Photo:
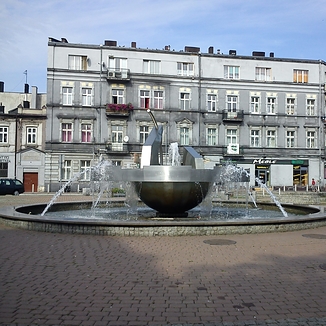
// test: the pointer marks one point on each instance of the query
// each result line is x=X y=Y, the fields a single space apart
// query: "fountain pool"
x=178 y=198
x=117 y=222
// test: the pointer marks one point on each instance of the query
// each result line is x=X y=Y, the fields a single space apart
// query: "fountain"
x=178 y=198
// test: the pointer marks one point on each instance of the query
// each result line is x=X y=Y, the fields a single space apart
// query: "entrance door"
x=262 y=175
x=30 y=181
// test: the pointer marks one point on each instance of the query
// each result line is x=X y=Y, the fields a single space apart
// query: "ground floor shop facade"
x=290 y=173
x=295 y=173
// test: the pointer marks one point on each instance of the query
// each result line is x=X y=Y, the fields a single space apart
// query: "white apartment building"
x=22 y=136
x=265 y=114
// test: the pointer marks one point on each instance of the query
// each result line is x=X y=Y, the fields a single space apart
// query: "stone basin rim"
x=13 y=214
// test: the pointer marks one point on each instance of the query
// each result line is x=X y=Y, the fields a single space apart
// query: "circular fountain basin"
x=26 y=217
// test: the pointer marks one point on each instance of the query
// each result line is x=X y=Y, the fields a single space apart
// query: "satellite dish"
x=126 y=139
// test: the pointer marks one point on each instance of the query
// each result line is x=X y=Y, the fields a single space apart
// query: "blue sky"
x=290 y=29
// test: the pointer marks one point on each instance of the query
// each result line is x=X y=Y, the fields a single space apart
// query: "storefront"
x=273 y=172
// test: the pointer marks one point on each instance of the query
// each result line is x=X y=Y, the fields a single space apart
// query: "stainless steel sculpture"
x=170 y=190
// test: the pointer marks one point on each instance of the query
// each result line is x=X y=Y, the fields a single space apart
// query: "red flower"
x=120 y=107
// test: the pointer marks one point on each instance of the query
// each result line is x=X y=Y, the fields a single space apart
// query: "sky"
x=289 y=28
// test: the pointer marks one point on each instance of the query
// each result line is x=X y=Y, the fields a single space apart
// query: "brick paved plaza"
x=65 y=279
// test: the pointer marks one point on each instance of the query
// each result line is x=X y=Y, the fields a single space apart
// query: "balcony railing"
x=233 y=116
x=118 y=74
x=117 y=148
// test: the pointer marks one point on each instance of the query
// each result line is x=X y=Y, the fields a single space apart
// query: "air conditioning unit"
x=233 y=149
x=111 y=74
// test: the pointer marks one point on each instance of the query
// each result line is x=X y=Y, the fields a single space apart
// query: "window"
x=151 y=98
x=77 y=62
x=255 y=138
x=117 y=138
x=263 y=74
x=231 y=72
x=231 y=136
x=311 y=106
x=232 y=105
x=184 y=132
x=184 y=101
x=290 y=105
x=145 y=99
x=300 y=76
x=290 y=139
x=271 y=105
x=117 y=64
x=3 y=169
x=87 y=95
x=184 y=136
x=143 y=133
x=3 y=134
x=211 y=102
x=86 y=133
x=254 y=104
x=66 y=132
x=211 y=136
x=31 y=134
x=85 y=169
x=311 y=139
x=67 y=95
x=271 y=138
x=158 y=99
x=151 y=66
x=66 y=170
x=118 y=96
x=185 y=69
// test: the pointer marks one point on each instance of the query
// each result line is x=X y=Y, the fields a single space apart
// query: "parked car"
x=11 y=187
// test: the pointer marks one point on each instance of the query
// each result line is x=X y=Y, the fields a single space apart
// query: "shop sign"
x=263 y=161
x=4 y=159
x=297 y=162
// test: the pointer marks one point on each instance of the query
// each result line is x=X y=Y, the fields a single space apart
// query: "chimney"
x=133 y=44
x=211 y=49
x=232 y=52
x=2 y=86
x=34 y=97
x=167 y=48
x=192 y=49
x=26 y=89
x=110 y=43
x=271 y=54
x=258 y=54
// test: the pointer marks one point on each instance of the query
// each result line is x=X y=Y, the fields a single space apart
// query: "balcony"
x=119 y=110
x=118 y=74
x=232 y=117
x=117 y=148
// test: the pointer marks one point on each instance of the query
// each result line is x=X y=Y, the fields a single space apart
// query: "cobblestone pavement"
x=275 y=279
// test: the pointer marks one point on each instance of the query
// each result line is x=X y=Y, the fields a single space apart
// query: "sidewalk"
x=65 y=279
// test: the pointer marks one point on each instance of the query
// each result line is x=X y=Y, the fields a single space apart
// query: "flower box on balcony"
x=119 y=109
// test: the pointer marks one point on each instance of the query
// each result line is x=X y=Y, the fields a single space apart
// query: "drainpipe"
x=16 y=142
x=320 y=125
x=100 y=117
x=199 y=98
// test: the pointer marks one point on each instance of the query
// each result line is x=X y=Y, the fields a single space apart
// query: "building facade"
x=22 y=136
x=265 y=114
